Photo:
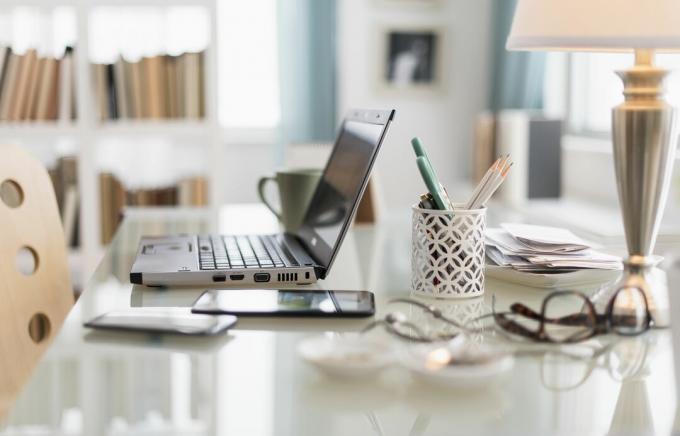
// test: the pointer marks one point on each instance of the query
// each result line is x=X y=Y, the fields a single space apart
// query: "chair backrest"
x=35 y=291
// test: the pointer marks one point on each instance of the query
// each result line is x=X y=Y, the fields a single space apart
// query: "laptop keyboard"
x=235 y=252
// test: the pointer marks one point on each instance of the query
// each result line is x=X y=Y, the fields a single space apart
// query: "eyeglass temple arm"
x=431 y=310
x=573 y=319
x=420 y=335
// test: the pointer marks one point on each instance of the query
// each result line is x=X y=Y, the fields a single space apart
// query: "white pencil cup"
x=447 y=252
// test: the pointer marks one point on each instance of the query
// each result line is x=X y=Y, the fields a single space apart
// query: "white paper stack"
x=543 y=250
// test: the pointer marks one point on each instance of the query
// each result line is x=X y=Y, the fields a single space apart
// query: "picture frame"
x=411 y=59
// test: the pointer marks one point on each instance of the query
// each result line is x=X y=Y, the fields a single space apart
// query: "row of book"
x=155 y=87
x=36 y=88
x=189 y=192
x=64 y=175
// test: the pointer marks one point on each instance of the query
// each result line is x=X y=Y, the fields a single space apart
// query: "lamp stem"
x=644 y=57
x=644 y=138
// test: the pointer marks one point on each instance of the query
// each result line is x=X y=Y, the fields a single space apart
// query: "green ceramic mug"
x=296 y=188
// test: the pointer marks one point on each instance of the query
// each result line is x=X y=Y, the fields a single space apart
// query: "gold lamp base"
x=644 y=138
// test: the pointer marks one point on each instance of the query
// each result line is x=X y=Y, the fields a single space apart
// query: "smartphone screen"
x=285 y=302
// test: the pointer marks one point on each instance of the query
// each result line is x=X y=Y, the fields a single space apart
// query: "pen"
x=430 y=179
x=443 y=202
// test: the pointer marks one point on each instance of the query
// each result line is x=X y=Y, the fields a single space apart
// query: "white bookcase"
x=87 y=130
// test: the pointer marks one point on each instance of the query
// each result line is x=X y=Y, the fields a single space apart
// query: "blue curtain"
x=307 y=70
x=517 y=76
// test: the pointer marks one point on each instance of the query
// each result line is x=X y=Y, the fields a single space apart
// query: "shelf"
x=6 y=4
x=33 y=128
x=142 y=127
x=155 y=127
x=94 y=141
x=159 y=3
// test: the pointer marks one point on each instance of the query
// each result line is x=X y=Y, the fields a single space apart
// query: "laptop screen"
x=343 y=181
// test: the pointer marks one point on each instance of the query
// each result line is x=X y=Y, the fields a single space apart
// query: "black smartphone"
x=162 y=321
x=286 y=302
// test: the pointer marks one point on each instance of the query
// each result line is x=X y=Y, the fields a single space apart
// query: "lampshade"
x=596 y=25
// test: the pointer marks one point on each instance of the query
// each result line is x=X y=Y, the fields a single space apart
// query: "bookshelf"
x=87 y=129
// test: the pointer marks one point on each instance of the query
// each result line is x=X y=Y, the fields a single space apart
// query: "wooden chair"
x=35 y=291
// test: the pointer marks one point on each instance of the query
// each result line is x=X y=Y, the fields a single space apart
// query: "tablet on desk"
x=286 y=302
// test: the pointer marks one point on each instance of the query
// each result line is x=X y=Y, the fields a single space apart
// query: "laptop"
x=302 y=257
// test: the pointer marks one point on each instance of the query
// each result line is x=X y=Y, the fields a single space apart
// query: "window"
x=248 y=64
x=591 y=88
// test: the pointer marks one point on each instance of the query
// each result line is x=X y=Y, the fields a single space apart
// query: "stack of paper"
x=543 y=250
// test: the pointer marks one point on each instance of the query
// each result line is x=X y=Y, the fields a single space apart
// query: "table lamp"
x=644 y=129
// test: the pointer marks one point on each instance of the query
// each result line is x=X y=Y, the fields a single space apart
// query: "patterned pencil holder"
x=447 y=252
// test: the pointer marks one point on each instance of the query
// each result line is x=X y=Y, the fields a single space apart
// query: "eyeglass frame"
x=601 y=323
x=394 y=319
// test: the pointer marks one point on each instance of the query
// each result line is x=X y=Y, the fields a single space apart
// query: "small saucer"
x=347 y=356
x=457 y=364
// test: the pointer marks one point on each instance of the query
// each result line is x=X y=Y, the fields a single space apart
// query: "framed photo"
x=412 y=59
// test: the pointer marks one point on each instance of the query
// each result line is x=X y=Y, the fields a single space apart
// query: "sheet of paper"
x=544 y=250
x=541 y=236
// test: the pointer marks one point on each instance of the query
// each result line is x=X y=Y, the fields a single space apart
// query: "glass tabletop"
x=252 y=381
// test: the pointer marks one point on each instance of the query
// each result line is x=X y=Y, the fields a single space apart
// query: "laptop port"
x=219 y=278
x=261 y=277
x=236 y=276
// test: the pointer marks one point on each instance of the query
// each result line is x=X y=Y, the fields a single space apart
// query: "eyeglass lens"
x=568 y=317
x=629 y=312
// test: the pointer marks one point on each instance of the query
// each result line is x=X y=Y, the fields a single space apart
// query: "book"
x=4 y=58
x=121 y=85
x=163 y=87
x=69 y=215
x=192 y=87
x=65 y=86
x=20 y=98
x=47 y=93
x=31 y=109
x=99 y=72
x=188 y=192
x=484 y=152
x=111 y=96
x=9 y=85
x=155 y=87
x=201 y=85
x=53 y=97
x=153 y=84
x=64 y=176
x=180 y=75
x=136 y=90
x=171 y=87
x=192 y=191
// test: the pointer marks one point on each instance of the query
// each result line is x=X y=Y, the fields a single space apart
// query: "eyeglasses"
x=398 y=324
x=570 y=316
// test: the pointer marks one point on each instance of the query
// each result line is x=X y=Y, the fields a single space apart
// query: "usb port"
x=219 y=278
x=236 y=276
x=261 y=277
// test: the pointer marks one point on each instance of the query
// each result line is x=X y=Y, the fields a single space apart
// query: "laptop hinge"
x=320 y=271
x=301 y=254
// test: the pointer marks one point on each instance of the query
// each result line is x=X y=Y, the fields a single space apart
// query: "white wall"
x=445 y=121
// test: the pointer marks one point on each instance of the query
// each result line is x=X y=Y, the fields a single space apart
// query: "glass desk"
x=252 y=381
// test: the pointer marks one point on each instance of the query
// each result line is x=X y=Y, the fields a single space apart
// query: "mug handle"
x=260 y=192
